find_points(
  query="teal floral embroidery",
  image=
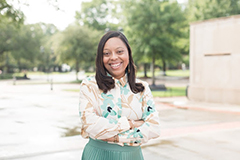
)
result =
(149, 109)
(124, 90)
(113, 121)
(119, 113)
(136, 133)
(146, 123)
(107, 105)
(141, 99)
(89, 78)
(119, 103)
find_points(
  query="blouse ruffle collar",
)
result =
(122, 81)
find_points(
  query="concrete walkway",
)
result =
(38, 123)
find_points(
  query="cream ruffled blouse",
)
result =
(106, 115)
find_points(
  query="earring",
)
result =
(128, 68)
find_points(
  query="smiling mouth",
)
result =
(116, 65)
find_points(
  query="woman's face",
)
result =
(115, 57)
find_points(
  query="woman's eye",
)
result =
(120, 51)
(106, 54)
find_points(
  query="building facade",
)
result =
(215, 60)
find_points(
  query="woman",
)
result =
(117, 110)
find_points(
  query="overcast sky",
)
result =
(42, 11)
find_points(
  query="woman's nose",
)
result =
(114, 56)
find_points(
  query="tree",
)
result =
(9, 12)
(99, 14)
(47, 59)
(78, 45)
(7, 31)
(154, 28)
(26, 46)
(20, 47)
(19, 43)
(207, 9)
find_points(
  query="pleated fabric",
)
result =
(99, 150)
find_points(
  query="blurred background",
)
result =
(58, 37)
(48, 46)
(54, 37)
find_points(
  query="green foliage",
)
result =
(10, 13)
(78, 43)
(155, 29)
(99, 14)
(26, 44)
(47, 59)
(7, 31)
(207, 9)
(78, 46)
(20, 46)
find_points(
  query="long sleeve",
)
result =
(93, 124)
(150, 129)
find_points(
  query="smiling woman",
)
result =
(115, 57)
(117, 110)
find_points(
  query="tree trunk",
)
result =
(7, 64)
(19, 66)
(153, 71)
(164, 67)
(77, 69)
(145, 70)
(59, 68)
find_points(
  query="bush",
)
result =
(6, 76)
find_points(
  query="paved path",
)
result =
(38, 123)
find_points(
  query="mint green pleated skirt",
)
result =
(99, 150)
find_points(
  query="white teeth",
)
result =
(115, 65)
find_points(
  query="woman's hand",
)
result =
(112, 139)
(138, 123)
(135, 123)
(132, 123)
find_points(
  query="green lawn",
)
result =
(89, 73)
(6, 76)
(39, 73)
(11, 75)
(171, 92)
(175, 73)
(178, 73)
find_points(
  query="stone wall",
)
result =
(215, 60)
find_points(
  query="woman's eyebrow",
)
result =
(119, 47)
(116, 48)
